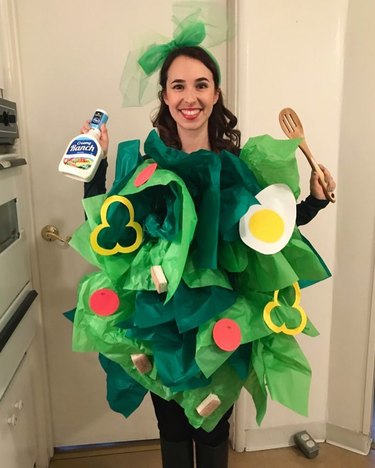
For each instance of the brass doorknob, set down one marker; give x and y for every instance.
(50, 233)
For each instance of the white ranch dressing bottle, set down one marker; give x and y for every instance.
(84, 153)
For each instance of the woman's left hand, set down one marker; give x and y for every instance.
(316, 189)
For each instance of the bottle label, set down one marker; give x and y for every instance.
(83, 145)
(81, 153)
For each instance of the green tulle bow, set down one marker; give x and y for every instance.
(189, 34)
(201, 24)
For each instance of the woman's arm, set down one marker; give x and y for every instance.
(308, 209)
(97, 185)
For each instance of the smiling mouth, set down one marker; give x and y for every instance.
(190, 114)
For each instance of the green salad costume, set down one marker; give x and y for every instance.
(184, 216)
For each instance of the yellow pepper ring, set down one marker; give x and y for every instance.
(104, 224)
(283, 328)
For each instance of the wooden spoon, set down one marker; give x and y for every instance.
(292, 127)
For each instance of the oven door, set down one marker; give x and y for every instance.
(14, 260)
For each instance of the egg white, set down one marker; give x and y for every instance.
(280, 199)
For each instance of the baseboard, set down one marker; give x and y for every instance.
(347, 439)
(281, 436)
(94, 450)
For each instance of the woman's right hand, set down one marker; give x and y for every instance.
(104, 138)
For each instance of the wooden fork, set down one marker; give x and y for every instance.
(292, 127)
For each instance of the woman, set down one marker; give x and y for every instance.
(192, 117)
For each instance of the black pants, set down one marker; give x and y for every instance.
(175, 427)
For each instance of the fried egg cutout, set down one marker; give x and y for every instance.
(268, 227)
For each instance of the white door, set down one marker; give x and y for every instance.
(72, 54)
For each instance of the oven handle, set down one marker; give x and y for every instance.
(16, 318)
(9, 163)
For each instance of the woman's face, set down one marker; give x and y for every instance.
(190, 94)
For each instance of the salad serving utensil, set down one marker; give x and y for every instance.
(292, 127)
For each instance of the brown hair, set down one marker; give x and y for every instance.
(221, 123)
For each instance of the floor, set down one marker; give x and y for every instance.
(147, 455)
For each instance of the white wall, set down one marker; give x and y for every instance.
(290, 54)
(2, 81)
(352, 337)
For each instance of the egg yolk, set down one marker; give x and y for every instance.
(266, 225)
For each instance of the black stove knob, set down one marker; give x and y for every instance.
(6, 119)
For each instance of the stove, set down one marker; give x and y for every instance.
(16, 291)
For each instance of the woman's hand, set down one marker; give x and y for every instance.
(104, 138)
(316, 189)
